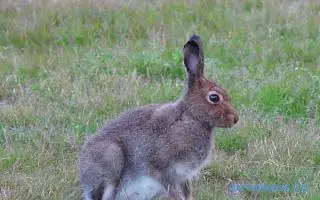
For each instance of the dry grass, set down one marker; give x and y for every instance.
(68, 66)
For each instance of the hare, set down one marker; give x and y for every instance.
(154, 151)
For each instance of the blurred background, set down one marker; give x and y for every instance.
(67, 66)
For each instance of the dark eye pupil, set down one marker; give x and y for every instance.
(214, 98)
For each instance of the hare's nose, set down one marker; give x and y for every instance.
(232, 118)
(235, 119)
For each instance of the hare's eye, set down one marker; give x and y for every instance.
(214, 97)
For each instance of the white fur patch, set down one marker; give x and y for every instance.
(187, 171)
(144, 188)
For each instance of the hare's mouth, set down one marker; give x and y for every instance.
(229, 121)
(225, 125)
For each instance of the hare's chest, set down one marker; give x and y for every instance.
(189, 170)
(186, 171)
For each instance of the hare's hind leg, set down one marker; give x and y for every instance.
(100, 193)
(100, 170)
(109, 192)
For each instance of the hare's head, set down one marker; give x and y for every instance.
(207, 101)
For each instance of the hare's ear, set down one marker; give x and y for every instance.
(193, 58)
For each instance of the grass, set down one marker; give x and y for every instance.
(66, 67)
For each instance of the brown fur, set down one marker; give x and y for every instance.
(158, 146)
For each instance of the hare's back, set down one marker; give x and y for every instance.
(123, 130)
(131, 120)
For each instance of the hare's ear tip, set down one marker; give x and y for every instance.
(195, 39)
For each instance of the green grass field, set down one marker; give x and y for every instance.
(68, 66)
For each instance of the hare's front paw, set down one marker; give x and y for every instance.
(181, 192)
